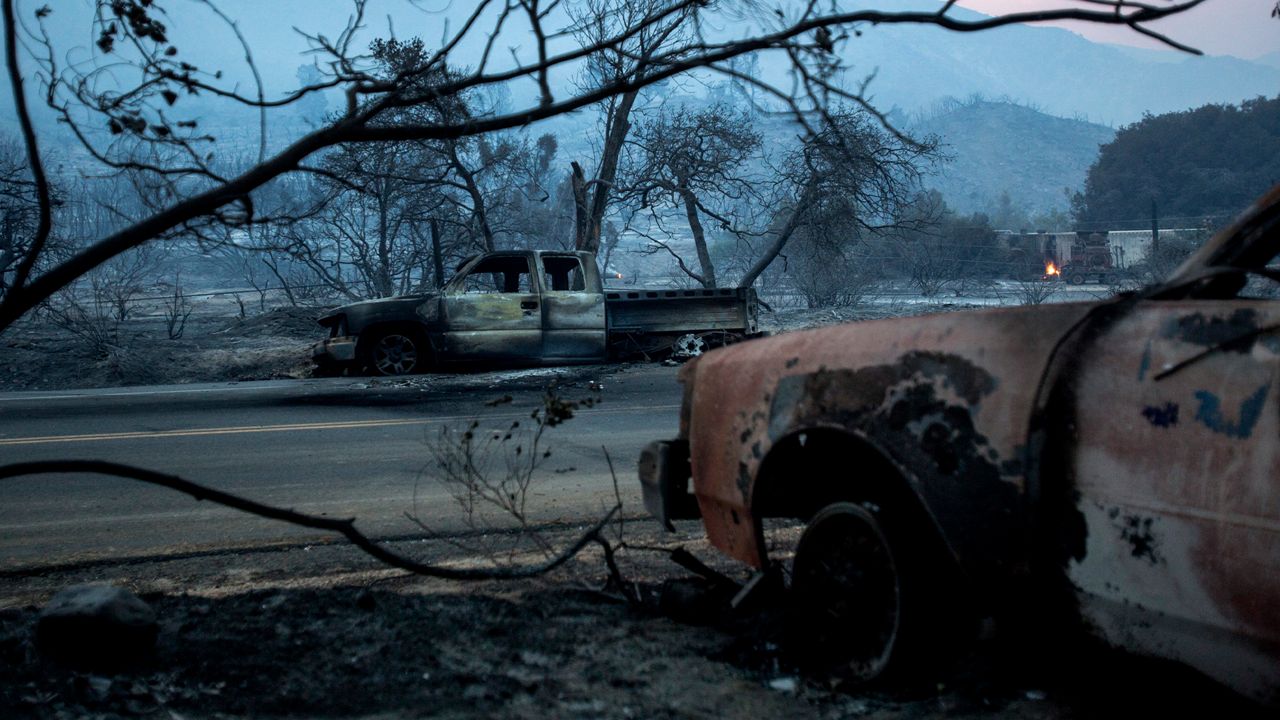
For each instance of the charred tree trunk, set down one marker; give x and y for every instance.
(699, 237)
(383, 269)
(579, 182)
(479, 211)
(437, 256)
(619, 126)
(780, 240)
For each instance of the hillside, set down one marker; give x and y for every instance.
(999, 147)
(1050, 68)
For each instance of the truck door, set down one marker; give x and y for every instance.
(492, 313)
(572, 312)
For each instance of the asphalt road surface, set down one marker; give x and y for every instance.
(345, 447)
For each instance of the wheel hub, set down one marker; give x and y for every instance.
(395, 355)
(688, 346)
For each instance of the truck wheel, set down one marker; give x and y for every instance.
(688, 346)
(1076, 279)
(397, 352)
(848, 597)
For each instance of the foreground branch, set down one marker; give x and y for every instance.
(43, 195)
(345, 527)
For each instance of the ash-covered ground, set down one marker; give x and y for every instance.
(36, 354)
(319, 630)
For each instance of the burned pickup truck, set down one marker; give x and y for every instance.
(530, 308)
(1112, 467)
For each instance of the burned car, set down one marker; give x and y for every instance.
(1113, 465)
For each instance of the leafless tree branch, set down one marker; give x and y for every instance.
(371, 98)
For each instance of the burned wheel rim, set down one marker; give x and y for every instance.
(395, 354)
(847, 594)
(689, 345)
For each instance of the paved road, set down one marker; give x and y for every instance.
(342, 446)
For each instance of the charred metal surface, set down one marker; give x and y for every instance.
(1135, 531)
(537, 307)
(574, 325)
(1241, 423)
(682, 311)
(1162, 416)
(920, 411)
(1181, 504)
(1235, 332)
(917, 392)
(489, 327)
(1151, 499)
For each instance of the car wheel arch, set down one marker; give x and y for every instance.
(881, 482)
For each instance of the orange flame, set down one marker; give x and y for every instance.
(1051, 270)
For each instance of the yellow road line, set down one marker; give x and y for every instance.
(209, 431)
(289, 427)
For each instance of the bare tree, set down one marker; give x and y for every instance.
(848, 180)
(1034, 291)
(694, 161)
(177, 309)
(147, 131)
(19, 210)
(93, 307)
(363, 229)
(663, 32)
(833, 274)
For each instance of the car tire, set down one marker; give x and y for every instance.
(851, 604)
(397, 352)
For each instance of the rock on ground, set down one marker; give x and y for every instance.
(97, 626)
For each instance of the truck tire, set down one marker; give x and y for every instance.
(396, 351)
(1075, 278)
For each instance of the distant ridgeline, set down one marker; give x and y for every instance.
(997, 147)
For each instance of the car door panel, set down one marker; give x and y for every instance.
(1175, 470)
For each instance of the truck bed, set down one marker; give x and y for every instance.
(681, 311)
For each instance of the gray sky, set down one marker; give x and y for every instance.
(1243, 28)
(1238, 27)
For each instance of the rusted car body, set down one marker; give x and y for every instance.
(529, 308)
(1117, 462)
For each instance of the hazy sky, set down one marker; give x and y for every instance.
(1243, 28)
(1238, 27)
